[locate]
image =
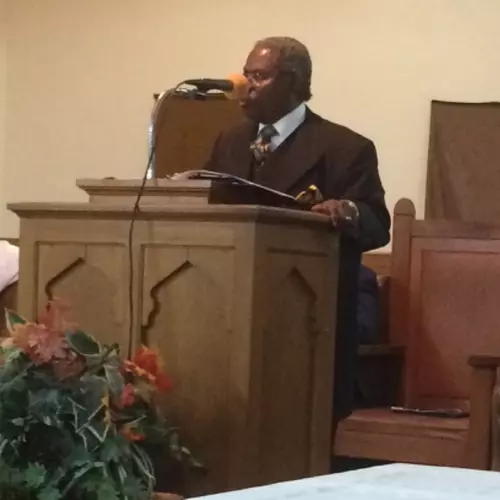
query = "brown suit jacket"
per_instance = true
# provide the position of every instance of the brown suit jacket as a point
(343, 165)
(340, 162)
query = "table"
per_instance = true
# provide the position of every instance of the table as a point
(387, 482)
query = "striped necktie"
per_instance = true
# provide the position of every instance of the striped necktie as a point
(261, 147)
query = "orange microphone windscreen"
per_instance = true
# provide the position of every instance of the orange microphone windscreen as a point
(240, 86)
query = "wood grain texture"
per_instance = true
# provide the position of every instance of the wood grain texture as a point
(383, 435)
(187, 129)
(445, 281)
(240, 301)
(378, 262)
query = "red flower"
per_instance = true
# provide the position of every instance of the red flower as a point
(145, 364)
(163, 382)
(127, 396)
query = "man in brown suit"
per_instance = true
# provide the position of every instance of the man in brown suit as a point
(285, 146)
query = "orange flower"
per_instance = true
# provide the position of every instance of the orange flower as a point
(39, 343)
(147, 359)
(163, 383)
(53, 317)
(44, 345)
(145, 364)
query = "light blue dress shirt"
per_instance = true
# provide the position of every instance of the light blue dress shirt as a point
(286, 125)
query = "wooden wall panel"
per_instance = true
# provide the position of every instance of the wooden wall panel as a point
(77, 274)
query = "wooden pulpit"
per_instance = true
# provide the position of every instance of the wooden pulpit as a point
(187, 130)
(240, 301)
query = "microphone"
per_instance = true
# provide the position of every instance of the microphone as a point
(234, 86)
(205, 84)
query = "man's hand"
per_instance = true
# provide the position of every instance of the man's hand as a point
(339, 211)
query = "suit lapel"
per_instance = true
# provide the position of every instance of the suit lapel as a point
(241, 157)
(301, 151)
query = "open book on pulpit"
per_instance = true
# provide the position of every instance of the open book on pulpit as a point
(231, 189)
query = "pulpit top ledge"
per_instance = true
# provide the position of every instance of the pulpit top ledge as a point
(162, 199)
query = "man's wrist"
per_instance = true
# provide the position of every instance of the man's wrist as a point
(350, 211)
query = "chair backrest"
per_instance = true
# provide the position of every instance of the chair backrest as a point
(187, 129)
(445, 303)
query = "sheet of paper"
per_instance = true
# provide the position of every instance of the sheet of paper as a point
(388, 482)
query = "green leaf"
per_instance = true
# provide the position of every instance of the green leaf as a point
(106, 491)
(49, 493)
(93, 391)
(79, 457)
(115, 380)
(12, 318)
(111, 451)
(99, 430)
(145, 466)
(133, 488)
(84, 344)
(45, 405)
(98, 486)
(34, 476)
(11, 354)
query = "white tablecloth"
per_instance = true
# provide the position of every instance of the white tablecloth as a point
(387, 482)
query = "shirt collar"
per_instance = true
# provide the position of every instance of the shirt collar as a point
(288, 123)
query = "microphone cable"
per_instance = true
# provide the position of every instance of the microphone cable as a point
(240, 84)
(157, 122)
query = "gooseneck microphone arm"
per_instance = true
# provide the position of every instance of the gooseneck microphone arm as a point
(150, 170)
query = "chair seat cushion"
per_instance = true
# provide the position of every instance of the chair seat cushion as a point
(379, 433)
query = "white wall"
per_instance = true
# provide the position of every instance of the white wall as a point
(82, 72)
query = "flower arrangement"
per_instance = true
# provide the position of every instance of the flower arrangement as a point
(76, 419)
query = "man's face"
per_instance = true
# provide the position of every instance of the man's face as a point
(270, 92)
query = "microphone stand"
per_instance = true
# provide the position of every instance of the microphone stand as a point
(149, 174)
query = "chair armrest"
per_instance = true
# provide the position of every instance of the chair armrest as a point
(484, 361)
(480, 448)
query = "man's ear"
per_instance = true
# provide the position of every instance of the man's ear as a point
(293, 81)
(296, 83)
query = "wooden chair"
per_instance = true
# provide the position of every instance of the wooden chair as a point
(444, 307)
(489, 368)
